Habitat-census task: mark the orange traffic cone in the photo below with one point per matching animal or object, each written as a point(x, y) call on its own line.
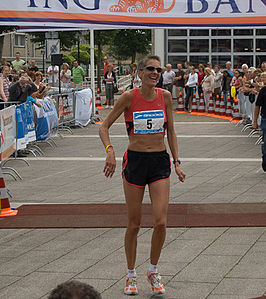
point(211, 106)
point(194, 104)
point(98, 103)
point(217, 105)
point(201, 108)
point(5, 209)
point(98, 119)
point(180, 104)
point(236, 114)
point(229, 108)
point(222, 106)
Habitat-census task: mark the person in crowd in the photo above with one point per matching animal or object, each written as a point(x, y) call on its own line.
point(218, 78)
point(4, 86)
point(38, 79)
point(263, 66)
point(209, 65)
point(191, 88)
point(32, 66)
point(180, 80)
point(78, 74)
point(168, 78)
point(110, 79)
point(208, 87)
point(260, 108)
point(241, 95)
point(146, 162)
point(31, 74)
point(3, 63)
point(106, 63)
point(136, 81)
point(235, 83)
point(201, 75)
point(74, 290)
point(53, 75)
point(65, 75)
point(19, 91)
point(226, 85)
point(186, 76)
point(18, 63)
point(229, 69)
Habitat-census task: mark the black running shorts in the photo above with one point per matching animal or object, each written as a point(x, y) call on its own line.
point(141, 168)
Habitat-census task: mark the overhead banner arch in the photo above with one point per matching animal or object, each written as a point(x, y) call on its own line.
point(109, 14)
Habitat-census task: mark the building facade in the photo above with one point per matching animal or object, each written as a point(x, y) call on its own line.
point(238, 45)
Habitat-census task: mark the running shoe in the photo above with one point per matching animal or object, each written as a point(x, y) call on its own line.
point(107, 106)
point(131, 286)
point(156, 283)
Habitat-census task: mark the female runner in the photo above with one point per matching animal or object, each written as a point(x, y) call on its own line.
point(148, 113)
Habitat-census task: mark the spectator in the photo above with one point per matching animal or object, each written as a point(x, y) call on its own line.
point(65, 76)
point(106, 63)
point(226, 87)
point(3, 63)
point(78, 74)
point(33, 67)
point(38, 79)
point(4, 86)
point(186, 76)
point(179, 80)
point(209, 65)
point(218, 78)
point(136, 81)
point(235, 83)
point(208, 87)
point(74, 290)
point(31, 75)
point(53, 76)
point(263, 66)
point(241, 94)
point(201, 76)
point(19, 91)
point(228, 67)
point(191, 88)
point(261, 109)
point(110, 79)
point(18, 63)
point(168, 78)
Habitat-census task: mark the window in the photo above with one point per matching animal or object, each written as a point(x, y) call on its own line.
point(174, 60)
point(199, 45)
point(243, 32)
point(260, 59)
point(221, 32)
point(220, 60)
point(260, 45)
point(199, 32)
point(177, 32)
point(196, 60)
point(261, 32)
point(239, 60)
point(19, 40)
point(177, 46)
point(243, 45)
point(221, 45)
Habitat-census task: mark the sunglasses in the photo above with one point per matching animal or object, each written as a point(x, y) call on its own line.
point(152, 69)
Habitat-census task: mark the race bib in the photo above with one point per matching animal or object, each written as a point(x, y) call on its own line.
point(148, 122)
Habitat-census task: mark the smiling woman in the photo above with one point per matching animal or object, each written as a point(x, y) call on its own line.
point(148, 114)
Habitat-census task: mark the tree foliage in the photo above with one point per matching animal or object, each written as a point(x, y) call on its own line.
point(67, 39)
point(128, 42)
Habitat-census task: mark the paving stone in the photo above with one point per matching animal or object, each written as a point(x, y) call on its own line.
point(226, 249)
point(203, 233)
point(250, 288)
point(7, 280)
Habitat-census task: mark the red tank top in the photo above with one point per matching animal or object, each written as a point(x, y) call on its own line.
point(146, 117)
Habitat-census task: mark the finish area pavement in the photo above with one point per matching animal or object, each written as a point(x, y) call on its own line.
point(209, 259)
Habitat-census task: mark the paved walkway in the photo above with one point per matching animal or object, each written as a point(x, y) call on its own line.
point(222, 166)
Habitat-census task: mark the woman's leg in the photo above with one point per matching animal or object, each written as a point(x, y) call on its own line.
point(159, 193)
point(134, 197)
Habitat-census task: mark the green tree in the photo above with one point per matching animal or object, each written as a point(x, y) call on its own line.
point(84, 54)
point(4, 29)
point(67, 39)
point(128, 42)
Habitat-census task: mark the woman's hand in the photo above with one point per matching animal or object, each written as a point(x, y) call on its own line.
point(110, 163)
point(255, 125)
point(180, 173)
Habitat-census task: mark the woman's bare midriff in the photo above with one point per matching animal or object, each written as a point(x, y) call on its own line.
point(147, 143)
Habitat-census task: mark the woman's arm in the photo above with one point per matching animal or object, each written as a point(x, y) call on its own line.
point(171, 135)
point(3, 96)
point(121, 105)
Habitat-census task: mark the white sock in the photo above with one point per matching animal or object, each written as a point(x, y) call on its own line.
point(131, 273)
point(153, 269)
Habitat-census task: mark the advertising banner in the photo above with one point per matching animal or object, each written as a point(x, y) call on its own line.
point(98, 14)
point(83, 107)
point(22, 129)
point(8, 132)
point(47, 119)
point(30, 122)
